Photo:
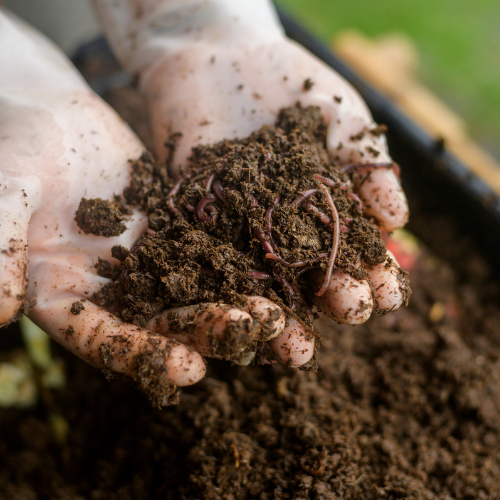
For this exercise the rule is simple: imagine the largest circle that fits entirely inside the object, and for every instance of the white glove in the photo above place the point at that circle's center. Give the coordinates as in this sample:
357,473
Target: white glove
59,142
216,69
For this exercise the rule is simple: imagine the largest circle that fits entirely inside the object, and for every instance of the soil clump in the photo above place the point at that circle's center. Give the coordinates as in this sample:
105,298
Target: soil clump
248,217
101,217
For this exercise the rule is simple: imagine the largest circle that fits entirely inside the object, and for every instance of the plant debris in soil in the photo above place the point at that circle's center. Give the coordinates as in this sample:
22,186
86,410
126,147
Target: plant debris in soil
248,217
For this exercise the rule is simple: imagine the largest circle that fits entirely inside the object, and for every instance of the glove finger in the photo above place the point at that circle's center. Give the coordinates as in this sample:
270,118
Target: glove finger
295,346
346,300
17,198
106,342
219,330
390,285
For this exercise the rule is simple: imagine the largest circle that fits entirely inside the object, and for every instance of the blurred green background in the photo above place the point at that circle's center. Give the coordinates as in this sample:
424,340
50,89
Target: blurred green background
458,42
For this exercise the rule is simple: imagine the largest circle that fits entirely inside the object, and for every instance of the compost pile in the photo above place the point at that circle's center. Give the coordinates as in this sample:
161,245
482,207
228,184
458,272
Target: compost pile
247,217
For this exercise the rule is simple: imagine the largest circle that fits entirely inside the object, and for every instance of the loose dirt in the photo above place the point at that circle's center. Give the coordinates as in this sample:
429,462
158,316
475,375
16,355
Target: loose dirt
404,406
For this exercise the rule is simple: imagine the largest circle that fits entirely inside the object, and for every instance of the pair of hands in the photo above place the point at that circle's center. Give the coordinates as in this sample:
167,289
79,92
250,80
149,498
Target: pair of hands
213,70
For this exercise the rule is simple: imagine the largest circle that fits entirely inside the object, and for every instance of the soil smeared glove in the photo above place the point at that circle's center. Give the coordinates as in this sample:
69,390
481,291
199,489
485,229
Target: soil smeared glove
61,143
219,69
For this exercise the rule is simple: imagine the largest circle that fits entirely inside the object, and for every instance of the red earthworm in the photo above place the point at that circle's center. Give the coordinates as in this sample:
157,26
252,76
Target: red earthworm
259,275
189,207
299,293
330,182
298,201
319,257
170,197
355,197
335,242
265,244
310,208
202,206
287,287
299,263
260,236
269,220
219,191
208,182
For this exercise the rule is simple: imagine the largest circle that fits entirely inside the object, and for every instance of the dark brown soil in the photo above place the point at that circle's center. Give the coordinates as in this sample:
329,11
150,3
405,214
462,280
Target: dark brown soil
101,217
404,406
247,217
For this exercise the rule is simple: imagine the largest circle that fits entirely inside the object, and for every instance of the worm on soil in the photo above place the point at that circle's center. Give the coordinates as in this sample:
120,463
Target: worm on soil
170,198
335,242
330,182
203,205
306,194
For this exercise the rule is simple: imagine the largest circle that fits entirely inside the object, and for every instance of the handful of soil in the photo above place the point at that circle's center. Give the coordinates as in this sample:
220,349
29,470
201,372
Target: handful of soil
248,216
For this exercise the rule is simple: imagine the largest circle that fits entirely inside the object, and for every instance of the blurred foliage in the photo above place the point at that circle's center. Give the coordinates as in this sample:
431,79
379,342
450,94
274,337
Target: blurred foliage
458,42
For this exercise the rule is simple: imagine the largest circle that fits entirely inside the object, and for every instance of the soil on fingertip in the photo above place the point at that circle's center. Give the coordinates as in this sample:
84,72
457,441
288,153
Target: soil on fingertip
247,217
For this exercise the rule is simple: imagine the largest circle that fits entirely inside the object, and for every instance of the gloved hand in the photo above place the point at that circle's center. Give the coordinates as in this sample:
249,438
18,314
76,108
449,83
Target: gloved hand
59,142
217,69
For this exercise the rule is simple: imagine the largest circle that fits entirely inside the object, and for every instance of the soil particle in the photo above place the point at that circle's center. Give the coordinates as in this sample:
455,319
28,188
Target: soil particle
77,307
101,217
308,84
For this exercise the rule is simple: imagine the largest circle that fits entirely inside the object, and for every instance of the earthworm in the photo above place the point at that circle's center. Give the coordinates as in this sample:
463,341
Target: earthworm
260,236
208,182
321,256
170,197
335,241
189,207
330,182
310,208
259,275
298,201
355,197
265,244
300,263
287,287
269,220
219,191
299,293
202,206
